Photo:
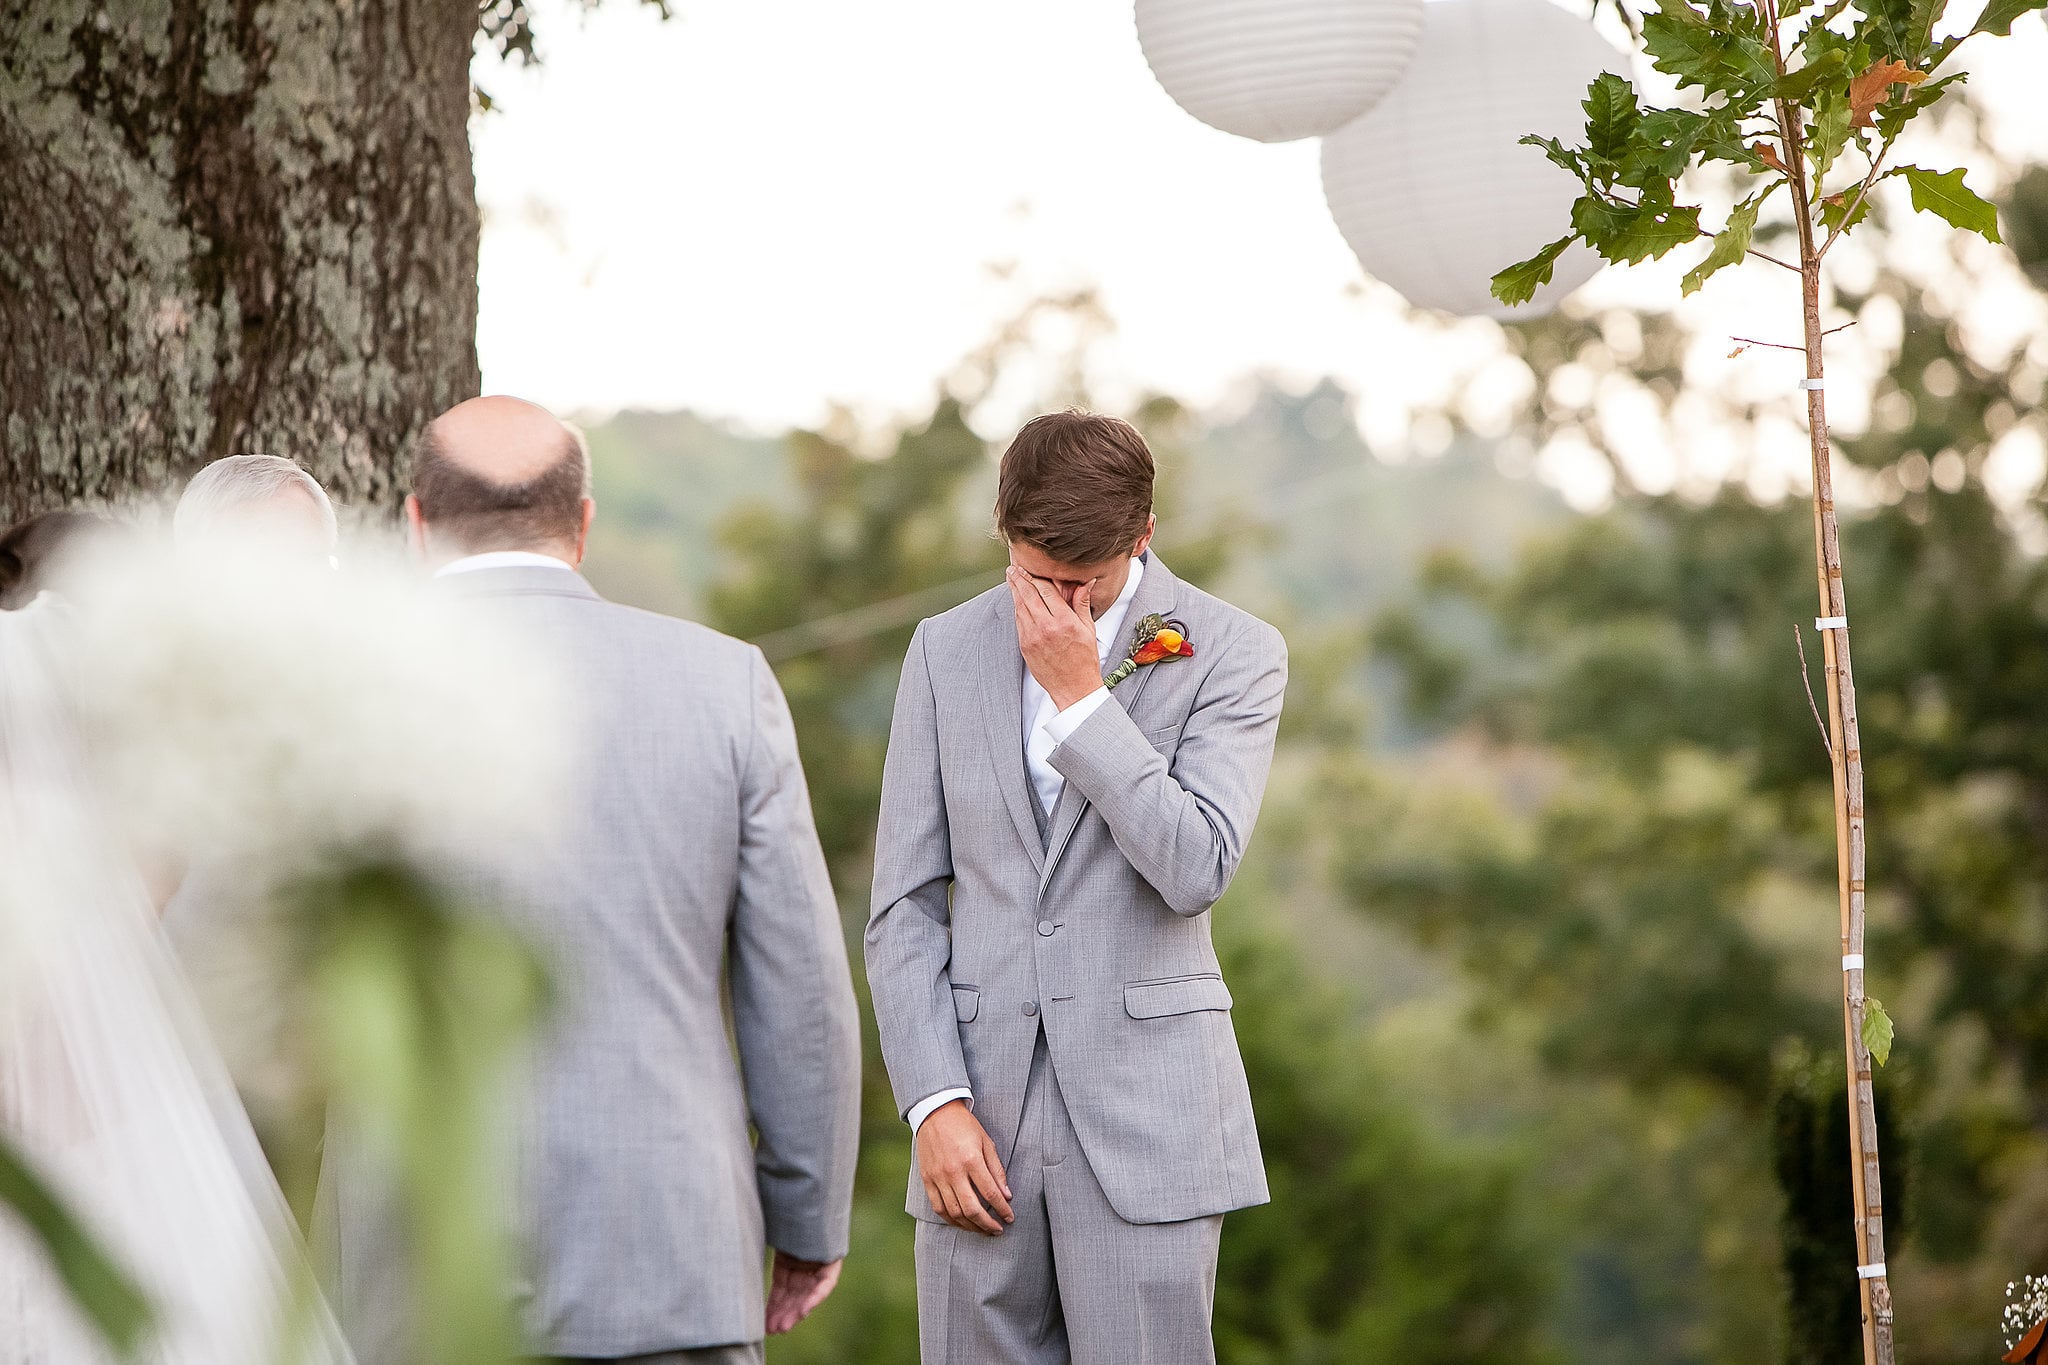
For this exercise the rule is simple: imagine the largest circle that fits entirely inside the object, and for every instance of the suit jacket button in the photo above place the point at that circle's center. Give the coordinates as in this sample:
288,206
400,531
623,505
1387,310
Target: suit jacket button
1030,1008
1045,926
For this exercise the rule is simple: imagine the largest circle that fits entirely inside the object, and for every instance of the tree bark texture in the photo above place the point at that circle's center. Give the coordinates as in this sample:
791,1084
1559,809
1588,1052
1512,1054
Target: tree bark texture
230,227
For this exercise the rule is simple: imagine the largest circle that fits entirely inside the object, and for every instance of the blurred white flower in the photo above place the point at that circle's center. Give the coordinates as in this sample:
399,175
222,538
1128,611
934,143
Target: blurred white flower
269,710
2026,1305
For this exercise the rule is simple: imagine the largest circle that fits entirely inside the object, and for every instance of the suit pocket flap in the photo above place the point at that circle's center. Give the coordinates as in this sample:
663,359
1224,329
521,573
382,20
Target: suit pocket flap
966,1003
1183,995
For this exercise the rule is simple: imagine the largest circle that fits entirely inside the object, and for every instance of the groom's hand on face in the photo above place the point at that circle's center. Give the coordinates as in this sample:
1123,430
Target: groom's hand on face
962,1176
1056,631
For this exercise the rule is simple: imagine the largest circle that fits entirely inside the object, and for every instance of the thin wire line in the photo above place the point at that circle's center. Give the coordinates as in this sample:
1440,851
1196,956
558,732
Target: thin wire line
856,623
1826,741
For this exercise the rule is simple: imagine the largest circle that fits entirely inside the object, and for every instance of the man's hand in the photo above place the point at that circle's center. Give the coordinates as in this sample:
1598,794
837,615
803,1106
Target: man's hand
962,1176
1057,635
796,1288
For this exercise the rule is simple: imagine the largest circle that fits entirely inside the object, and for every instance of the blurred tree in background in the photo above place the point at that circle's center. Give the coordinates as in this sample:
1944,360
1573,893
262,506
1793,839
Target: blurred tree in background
1392,1240
1651,901
1526,949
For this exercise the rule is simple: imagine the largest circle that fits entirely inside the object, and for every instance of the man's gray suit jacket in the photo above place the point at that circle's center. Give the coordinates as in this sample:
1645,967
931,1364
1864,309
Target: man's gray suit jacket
981,932
688,872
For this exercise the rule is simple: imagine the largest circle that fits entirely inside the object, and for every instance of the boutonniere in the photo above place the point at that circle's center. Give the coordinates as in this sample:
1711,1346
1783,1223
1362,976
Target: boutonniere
1155,638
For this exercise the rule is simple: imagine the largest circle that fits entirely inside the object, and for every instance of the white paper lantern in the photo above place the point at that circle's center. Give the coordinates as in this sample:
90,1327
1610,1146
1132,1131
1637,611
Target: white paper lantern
1432,189
1277,70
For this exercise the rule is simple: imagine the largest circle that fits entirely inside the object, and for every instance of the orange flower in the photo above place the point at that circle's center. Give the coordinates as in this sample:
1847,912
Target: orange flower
1168,643
1155,638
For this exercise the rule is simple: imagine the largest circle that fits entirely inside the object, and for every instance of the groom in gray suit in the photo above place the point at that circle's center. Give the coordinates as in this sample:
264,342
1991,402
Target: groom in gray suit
1056,1028
689,882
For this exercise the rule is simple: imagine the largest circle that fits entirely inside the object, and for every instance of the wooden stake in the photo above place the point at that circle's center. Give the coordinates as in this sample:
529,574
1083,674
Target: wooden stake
1845,761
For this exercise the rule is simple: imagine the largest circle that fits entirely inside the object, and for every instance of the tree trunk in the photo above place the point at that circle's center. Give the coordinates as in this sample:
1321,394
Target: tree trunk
230,227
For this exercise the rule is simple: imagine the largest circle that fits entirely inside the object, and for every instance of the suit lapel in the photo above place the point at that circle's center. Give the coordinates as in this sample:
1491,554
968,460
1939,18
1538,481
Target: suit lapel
1002,703
1157,592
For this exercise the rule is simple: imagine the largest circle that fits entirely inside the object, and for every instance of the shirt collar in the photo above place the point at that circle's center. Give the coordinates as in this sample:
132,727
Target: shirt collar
1110,624
503,559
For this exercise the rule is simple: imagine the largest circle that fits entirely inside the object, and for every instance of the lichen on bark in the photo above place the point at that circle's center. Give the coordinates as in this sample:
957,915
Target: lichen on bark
228,227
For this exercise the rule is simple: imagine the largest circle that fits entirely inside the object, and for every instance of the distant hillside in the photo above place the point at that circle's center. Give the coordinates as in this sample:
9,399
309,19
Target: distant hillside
1337,534
1307,524
664,483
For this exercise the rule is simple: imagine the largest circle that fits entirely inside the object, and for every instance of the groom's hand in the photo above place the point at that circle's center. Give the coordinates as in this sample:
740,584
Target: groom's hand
962,1176
1057,635
796,1288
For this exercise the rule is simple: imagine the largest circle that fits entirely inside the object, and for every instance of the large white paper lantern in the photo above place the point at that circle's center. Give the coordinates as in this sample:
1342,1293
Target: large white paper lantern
1277,70
1432,189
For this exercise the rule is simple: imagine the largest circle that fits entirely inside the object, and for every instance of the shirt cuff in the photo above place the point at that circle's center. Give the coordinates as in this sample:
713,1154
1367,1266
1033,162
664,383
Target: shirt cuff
1061,727
925,1107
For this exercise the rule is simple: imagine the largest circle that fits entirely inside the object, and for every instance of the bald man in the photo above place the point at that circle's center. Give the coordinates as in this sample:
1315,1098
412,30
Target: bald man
691,873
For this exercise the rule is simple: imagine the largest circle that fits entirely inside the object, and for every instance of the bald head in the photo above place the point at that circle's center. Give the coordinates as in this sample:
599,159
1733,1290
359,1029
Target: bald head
499,473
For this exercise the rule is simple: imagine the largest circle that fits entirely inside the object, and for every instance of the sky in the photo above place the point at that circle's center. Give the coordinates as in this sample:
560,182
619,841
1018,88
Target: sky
762,211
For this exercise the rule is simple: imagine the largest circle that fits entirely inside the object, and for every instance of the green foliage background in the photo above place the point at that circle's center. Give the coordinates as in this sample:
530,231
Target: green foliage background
1533,952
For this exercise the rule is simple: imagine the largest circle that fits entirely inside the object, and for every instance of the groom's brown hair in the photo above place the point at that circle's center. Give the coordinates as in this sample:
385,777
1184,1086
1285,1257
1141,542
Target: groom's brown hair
1077,485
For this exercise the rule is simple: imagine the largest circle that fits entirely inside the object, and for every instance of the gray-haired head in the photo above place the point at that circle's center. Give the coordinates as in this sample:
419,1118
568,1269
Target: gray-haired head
255,495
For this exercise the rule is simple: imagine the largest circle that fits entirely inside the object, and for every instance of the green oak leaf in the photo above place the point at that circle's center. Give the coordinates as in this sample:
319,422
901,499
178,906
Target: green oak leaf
1817,38
100,1289
1797,85
1925,12
1893,115
1890,24
1633,233
1877,1030
1657,192
1835,214
1680,12
1722,48
1744,66
1750,60
1567,158
1944,194
1666,139
1599,220
1998,15
1731,245
1519,282
1745,18
1680,48
1723,140
1611,116
1829,132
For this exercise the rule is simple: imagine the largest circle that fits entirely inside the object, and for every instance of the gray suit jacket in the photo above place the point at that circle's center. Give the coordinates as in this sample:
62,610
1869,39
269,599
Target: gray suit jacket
980,931
690,870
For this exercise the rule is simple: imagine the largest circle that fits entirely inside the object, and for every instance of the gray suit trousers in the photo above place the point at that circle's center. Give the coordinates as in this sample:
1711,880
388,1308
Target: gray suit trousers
1069,1280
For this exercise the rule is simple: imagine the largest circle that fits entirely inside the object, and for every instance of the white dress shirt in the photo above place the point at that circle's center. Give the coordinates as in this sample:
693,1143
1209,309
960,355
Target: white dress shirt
1046,727
503,559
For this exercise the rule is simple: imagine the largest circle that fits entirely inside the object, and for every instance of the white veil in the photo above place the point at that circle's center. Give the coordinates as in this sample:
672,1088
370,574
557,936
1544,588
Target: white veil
108,1085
